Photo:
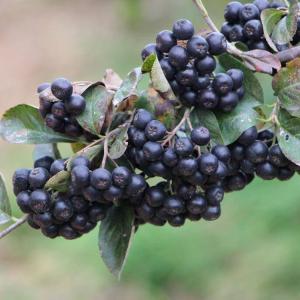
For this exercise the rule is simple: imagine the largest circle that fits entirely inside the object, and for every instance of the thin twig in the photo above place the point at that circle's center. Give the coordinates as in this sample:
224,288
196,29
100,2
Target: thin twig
105,151
14,226
173,132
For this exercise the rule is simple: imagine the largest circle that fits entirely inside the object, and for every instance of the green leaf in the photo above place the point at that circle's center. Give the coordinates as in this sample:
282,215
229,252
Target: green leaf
270,17
115,235
159,81
43,150
288,136
23,124
148,63
234,123
59,182
207,119
251,83
76,147
119,144
286,85
5,209
98,100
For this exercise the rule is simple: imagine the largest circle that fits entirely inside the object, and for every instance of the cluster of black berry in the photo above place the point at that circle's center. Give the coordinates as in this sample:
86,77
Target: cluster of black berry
243,24
188,63
61,115
77,211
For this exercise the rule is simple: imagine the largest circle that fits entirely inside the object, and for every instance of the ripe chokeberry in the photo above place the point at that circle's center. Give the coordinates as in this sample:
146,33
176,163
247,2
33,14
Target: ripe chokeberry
40,201
183,29
208,163
101,179
197,205
183,147
75,105
155,130
178,57
205,65
80,176
152,151
121,177
217,43
62,88
197,47
174,206
20,180
200,136
222,84
232,11
62,210
249,12
165,40
257,152
38,177
248,137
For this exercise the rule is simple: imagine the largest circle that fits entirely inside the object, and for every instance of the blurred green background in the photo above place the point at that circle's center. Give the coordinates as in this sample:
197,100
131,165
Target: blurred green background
252,252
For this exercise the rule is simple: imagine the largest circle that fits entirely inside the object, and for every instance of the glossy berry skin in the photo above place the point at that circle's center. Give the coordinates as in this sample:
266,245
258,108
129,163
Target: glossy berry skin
38,178
101,179
276,156
197,47
237,77
145,211
208,99
92,194
205,65
236,33
31,223
266,136
217,43
261,4
178,57
266,171
79,221
170,157
62,210
158,169
174,206
43,86
197,205
257,152
67,232
80,161
136,186
75,105
40,201
141,118
237,152
247,166
183,147
121,177
212,213
167,68
43,220
237,182
183,29
222,153
187,167
222,84
228,102
148,50
214,195
189,98
155,196
54,122
58,110
261,45
225,29
200,136
152,151
285,174
44,162
50,231
208,164
249,12
201,83
165,40
155,130
186,77
20,180
45,106
253,30
80,176
232,11
23,201
138,138
248,137
176,221
57,166
79,204
113,194
62,88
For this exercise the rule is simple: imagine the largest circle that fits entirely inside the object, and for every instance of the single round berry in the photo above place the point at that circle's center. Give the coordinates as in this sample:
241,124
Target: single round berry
237,182
80,176
176,221
217,43
277,4
159,169
170,157
148,50
285,174
222,84
261,4
23,201
237,77
196,179
58,110
232,11
205,65
31,223
54,123
236,33
201,83
43,86
208,99
152,151
80,161
156,221
266,171
67,232
139,138
183,29
266,136
178,57
222,153
249,12
225,29
197,205
38,178
257,152
174,206
248,137
121,177
200,136
189,98
247,166
75,105
57,166
276,156
113,194
165,40
214,195
101,179
187,166
145,211
20,180
155,130
237,152
221,172
43,220
63,210
187,77
44,162
253,30
212,213
79,221
197,47
228,102
183,147
167,68
62,88
136,186
50,231
155,196
208,163
40,201
92,194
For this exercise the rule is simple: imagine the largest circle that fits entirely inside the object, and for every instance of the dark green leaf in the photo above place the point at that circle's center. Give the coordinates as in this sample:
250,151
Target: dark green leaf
42,150
5,210
23,124
115,235
207,119
270,17
286,85
119,144
234,123
288,136
98,99
148,63
59,182
251,83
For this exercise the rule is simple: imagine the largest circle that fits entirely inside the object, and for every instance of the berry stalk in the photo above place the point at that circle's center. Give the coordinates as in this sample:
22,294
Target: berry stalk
14,226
